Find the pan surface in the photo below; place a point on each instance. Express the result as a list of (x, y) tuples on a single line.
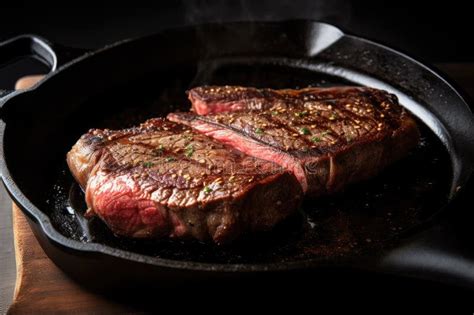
[(123, 85), (367, 217)]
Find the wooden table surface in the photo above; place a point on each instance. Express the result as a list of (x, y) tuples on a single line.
[(461, 73), (42, 288)]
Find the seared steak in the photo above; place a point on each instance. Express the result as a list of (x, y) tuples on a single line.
[(218, 99), (328, 138), (163, 179)]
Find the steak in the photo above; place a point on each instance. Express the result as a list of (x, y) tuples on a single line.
[(217, 99), (163, 179), (327, 138)]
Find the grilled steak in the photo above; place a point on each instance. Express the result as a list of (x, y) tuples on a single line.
[(163, 179), (217, 99), (328, 138)]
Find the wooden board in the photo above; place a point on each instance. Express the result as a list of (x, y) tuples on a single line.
[(42, 288)]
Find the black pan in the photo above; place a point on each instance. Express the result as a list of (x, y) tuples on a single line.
[(377, 225)]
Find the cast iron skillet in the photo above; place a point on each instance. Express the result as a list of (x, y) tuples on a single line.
[(371, 226)]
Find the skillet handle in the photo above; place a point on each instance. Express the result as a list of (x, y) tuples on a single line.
[(52, 55)]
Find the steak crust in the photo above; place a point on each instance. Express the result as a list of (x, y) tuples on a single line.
[(218, 99), (241, 162), (163, 179), (328, 137)]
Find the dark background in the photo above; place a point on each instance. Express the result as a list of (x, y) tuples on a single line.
[(436, 31), (439, 31)]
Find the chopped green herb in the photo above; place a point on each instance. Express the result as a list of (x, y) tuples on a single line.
[(189, 150), (301, 114), (147, 164), (170, 159), (274, 112), (305, 131), (258, 131), (159, 150), (207, 190), (316, 139)]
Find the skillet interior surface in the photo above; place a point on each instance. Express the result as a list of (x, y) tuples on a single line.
[(366, 217), (124, 85)]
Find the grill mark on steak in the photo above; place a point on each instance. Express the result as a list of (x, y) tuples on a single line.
[(341, 140), (147, 182)]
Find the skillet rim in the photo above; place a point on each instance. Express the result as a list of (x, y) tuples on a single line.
[(57, 238)]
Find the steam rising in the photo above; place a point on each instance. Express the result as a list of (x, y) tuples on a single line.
[(205, 11)]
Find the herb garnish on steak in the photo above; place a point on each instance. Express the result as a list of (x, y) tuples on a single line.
[(327, 137), (162, 179)]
